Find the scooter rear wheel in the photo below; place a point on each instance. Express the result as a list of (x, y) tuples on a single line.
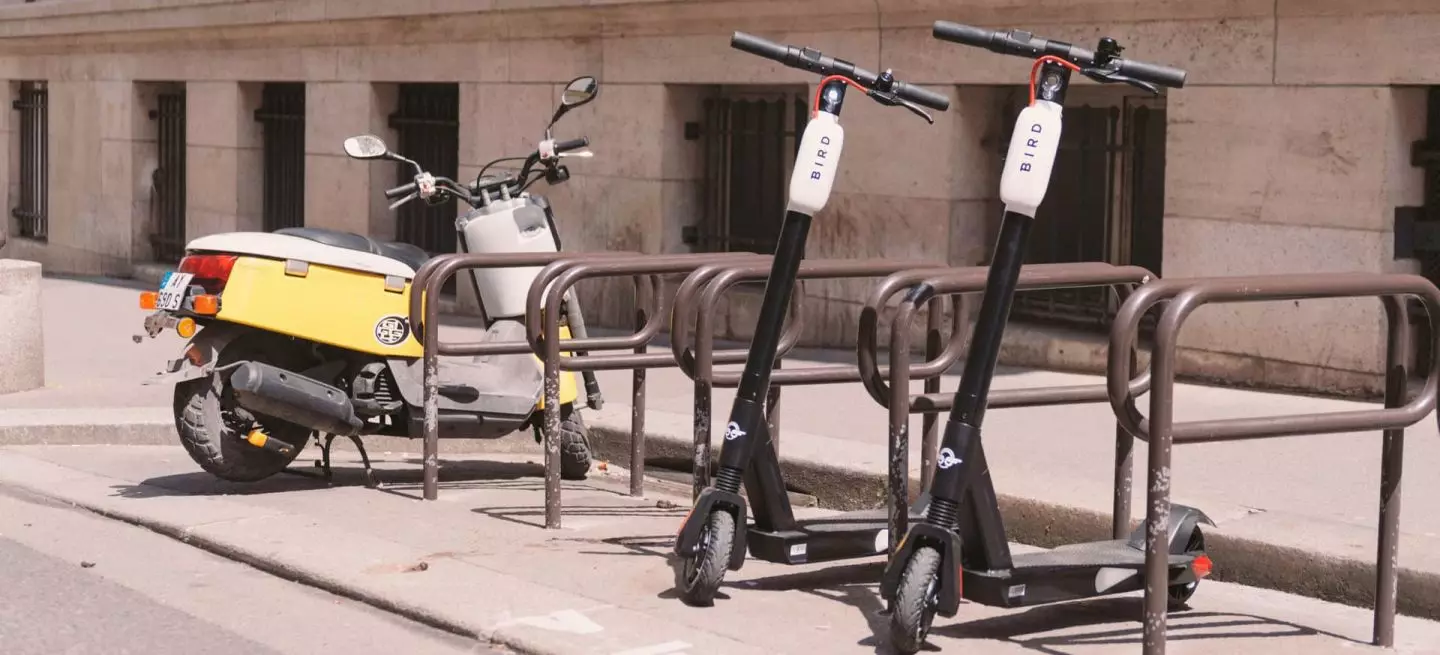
[(1180, 594), (915, 598), (698, 575)]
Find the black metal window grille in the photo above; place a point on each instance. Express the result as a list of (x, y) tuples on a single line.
[(167, 205), (33, 208), (750, 140), (1106, 202), (427, 121), (282, 120)]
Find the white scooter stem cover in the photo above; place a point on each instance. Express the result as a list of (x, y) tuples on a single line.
[(1031, 157), (816, 164)]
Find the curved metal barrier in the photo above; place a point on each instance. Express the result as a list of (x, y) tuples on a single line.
[(701, 294), (543, 308), (921, 287), (424, 318), (1161, 430)]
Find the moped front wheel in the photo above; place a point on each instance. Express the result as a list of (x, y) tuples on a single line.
[(699, 574)]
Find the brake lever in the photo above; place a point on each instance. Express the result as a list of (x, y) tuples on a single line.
[(1107, 76), (892, 100), (413, 195)]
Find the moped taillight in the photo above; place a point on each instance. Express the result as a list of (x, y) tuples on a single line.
[(210, 271)]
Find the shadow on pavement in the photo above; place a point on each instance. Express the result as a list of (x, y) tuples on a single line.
[(534, 516), (469, 474), (1113, 621)]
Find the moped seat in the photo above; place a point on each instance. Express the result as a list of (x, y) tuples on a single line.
[(405, 253)]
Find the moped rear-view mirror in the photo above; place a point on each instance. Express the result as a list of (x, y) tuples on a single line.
[(366, 146), (579, 91)]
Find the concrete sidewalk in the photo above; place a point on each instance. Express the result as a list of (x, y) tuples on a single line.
[(478, 563), (1295, 514)]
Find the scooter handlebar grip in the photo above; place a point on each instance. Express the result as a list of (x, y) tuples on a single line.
[(964, 34), (572, 144), (400, 191), (761, 47), (922, 96), (1154, 73)]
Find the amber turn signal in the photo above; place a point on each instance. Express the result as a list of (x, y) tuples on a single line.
[(206, 304), (185, 327), (149, 299)]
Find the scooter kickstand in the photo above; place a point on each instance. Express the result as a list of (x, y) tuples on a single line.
[(371, 481)]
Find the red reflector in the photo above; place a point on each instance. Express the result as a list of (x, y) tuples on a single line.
[(1202, 566), (210, 271)]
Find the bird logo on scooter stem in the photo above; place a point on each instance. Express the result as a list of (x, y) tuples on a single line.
[(947, 458), (733, 431)]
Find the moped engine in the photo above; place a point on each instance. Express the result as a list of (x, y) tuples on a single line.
[(373, 391)]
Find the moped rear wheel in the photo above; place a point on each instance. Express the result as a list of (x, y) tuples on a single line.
[(213, 432)]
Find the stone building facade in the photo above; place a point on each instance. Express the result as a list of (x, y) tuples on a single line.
[(1288, 151)]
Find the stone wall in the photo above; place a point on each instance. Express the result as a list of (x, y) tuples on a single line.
[(1287, 151)]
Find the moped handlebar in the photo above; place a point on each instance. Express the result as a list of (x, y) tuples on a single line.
[(400, 191), (1025, 44), (814, 61)]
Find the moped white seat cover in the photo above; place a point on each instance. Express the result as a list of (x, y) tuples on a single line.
[(284, 246)]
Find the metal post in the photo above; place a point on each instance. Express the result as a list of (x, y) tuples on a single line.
[(1392, 459), (1124, 466), (1157, 517), (704, 405), (930, 435), (552, 432), (637, 400), (897, 478), (431, 352)]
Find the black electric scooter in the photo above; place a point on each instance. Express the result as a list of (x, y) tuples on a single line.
[(714, 535), (963, 536)]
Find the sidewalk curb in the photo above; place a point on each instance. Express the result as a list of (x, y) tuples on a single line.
[(1045, 524)]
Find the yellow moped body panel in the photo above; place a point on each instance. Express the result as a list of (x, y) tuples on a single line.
[(337, 307)]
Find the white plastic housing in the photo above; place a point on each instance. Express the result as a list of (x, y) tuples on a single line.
[(816, 164), (1031, 157), (516, 225)]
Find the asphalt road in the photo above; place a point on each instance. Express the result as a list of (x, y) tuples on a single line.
[(76, 583)]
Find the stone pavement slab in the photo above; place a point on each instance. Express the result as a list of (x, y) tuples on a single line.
[(477, 562)]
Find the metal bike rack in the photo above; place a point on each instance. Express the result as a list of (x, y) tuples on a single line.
[(1161, 430), (922, 287), (700, 294), (543, 330), (425, 325)]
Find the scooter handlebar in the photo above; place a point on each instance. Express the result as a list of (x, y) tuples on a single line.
[(1025, 44), (816, 62)]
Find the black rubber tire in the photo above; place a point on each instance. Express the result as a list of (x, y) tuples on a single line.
[(914, 608), (574, 447), (698, 576), (215, 443), (1179, 595)]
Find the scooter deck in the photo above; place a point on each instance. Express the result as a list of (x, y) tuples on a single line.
[(1069, 572), (828, 538)]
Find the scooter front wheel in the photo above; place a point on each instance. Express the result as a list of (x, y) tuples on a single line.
[(699, 574), (915, 600)]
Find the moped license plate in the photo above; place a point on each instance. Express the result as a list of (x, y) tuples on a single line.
[(172, 290)]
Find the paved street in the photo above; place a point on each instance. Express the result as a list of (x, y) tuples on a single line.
[(81, 584)]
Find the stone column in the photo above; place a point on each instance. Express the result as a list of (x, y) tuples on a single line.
[(343, 193), (91, 189), (220, 135), (22, 344), (1275, 180)]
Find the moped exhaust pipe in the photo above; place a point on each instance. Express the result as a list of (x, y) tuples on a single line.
[(289, 396)]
